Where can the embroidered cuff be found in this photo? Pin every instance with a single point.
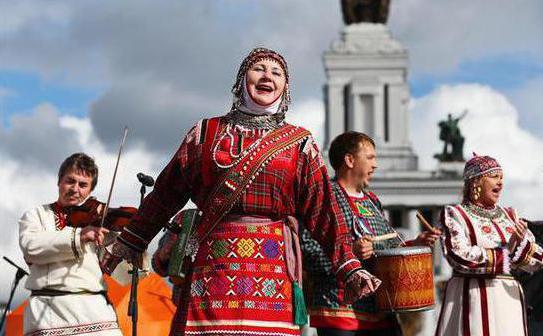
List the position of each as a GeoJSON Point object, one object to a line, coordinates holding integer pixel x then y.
{"type": "Point", "coordinates": [506, 261]}
{"type": "Point", "coordinates": [359, 284]}
{"type": "Point", "coordinates": [133, 240]}
{"type": "Point", "coordinates": [497, 261]}
{"type": "Point", "coordinates": [523, 253]}
{"type": "Point", "coordinates": [346, 268]}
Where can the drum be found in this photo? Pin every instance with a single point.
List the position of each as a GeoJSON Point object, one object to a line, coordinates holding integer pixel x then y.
{"type": "Point", "coordinates": [408, 279]}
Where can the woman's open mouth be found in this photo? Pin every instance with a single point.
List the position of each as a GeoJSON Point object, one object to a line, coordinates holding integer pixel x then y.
{"type": "Point", "coordinates": [263, 88]}
{"type": "Point", "coordinates": [496, 190]}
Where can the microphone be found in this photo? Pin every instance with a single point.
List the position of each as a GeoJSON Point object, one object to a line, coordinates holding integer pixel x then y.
{"type": "Point", "coordinates": [15, 265]}
{"type": "Point", "coordinates": [146, 180]}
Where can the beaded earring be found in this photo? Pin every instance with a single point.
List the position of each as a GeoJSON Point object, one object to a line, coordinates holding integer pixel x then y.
{"type": "Point", "coordinates": [476, 192]}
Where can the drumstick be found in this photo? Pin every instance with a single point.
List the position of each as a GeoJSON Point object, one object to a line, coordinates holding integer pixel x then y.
{"type": "Point", "coordinates": [385, 236]}
{"type": "Point", "coordinates": [424, 222]}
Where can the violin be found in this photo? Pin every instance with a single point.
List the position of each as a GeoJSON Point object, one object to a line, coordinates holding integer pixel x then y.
{"type": "Point", "coordinates": [90, 213]}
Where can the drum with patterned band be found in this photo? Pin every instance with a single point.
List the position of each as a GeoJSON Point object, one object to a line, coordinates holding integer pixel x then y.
{"type": "Point", "coordinates": [408, 279]}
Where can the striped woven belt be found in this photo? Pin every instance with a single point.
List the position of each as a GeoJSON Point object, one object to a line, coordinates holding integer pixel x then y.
{"type": "Point", "coordinates": [484, 276]}
{"type": "Point", "coordinates": [56, 292]}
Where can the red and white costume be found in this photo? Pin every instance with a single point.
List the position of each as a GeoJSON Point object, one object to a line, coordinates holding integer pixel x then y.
{"type": "Point", "coordinates": [60, 264]}
{"type": "Point", "coordinates": [482, 298]}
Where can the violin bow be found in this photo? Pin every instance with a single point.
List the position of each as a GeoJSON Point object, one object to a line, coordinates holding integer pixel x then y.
{"type": "Point", "coordinates": [104, 213]}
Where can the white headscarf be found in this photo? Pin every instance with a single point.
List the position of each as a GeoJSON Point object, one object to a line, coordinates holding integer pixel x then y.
{"type": "Point", "coordinates": [241, 98]}
{"type": "Point", "coordinates": [251, 107]}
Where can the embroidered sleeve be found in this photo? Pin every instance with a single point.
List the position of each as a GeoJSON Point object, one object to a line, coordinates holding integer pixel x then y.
{"type": "Point", "coordinates": [318, 209]}
{"type": "Point", "coordinates": [462, 254]}
{"type": "Point", "coordinates": [44, 247]}
{"type": "Point", "coordinates": [171, 192]}
{"type": "Point", "coordinates": [528, 255]}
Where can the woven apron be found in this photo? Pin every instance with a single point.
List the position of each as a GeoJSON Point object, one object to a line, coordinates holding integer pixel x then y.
{"type": "Point", "coordinates": [239, 283]}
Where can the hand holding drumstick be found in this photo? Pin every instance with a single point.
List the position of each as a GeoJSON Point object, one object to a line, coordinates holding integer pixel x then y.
{"type": "Point", "coordinates": [428, 237]}
{"type": "Point", "coordinates": [363, 247]}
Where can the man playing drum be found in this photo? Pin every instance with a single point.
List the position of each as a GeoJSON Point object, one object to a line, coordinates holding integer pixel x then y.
{"type": "Point", "coordinates": [353, 157]}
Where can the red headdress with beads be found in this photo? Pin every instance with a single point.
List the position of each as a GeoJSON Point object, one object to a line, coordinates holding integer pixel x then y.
{"type": "Point", "coordinates": [479, 166]}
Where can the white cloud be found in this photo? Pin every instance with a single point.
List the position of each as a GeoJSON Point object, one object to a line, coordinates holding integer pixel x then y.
{"type": "Point", "coordinates": [309, 114]}
{"type": "Point", "coordinates": [441, 35]}
{"type": "Point", "coordinates": [157, 112]}
{"type": "Point", "coordinates": [24, 13]}
{"type": "Point", "coordinates": [491, 127]}
{"type": "Point", "coordinates": [36, 138]}
{"type": "Point", "coordinates": [147, 52]}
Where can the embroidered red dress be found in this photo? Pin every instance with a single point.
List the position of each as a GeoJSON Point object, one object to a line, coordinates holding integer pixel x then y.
{"type": "Point", "coordinates": [239, 283]}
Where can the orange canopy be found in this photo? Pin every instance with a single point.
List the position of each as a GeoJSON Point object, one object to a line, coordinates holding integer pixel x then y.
{"type": "Point", "coordinates": [155, 308]}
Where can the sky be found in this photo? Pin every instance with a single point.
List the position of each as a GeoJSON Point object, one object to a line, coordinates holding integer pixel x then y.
{"type": "Point", "coordinates": [74, 73]}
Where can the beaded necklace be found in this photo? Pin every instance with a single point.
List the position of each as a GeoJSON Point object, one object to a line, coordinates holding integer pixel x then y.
{"type": "Point", "coordinates": [240, 122]}
{"type": "Point", "coordinates": [236, 157]}
{"type": "Point", "coordinates": [479, 211]}
{"type": "Point", "coordinates": [266, 121]}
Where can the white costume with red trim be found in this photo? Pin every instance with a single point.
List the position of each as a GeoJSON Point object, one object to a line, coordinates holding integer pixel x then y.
{"type": "Point", "coordinates": [482, 298]}
{"type": "Point", "coordinates": [59, 262]}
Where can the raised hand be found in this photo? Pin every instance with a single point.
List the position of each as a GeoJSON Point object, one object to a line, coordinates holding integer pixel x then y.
{"type": "Point", "coordinates": [428, 238]}
{"type": "Point", "coordinates": [93, 234]}
{"type": "Point", "coordinates": [519, 231]}
{"type": "Point", "coordinates": [363, 248]}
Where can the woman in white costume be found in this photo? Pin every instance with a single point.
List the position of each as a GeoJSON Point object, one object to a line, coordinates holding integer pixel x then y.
{"type": "Point", "coordinates": [484, 242]}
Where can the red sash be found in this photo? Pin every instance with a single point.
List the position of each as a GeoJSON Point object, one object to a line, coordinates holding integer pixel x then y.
{"type": "Point", "coordinates": [231, 185]}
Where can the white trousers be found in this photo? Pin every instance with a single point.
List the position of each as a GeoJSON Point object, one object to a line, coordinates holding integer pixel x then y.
{"type": "Point", "coordinates": [70, 315]}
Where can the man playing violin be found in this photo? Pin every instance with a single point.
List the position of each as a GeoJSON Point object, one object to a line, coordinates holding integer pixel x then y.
{"type": "Point", "coordinates": [67, 289]}
{"type": "Point", "coordinates": [354, 160]}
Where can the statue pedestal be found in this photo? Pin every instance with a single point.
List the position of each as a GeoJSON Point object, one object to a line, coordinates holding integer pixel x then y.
{"type": "Point", "coordinates": [367, 38]}
{"type": "Point", "coordinates": [451, 169]}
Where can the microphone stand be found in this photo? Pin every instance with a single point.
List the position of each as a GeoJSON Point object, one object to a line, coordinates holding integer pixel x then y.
{"type": "Point", "coordinates": [133, 302]}
{"type": "Point", "coordinates": [18, 276]}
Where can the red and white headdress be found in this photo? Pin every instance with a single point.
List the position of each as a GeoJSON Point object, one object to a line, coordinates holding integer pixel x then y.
{"type": "Point", "coordinates": [479, 166]}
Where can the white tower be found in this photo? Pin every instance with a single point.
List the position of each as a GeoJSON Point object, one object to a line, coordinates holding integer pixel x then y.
{"type": "Point", "coordinates": [367, 91]}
